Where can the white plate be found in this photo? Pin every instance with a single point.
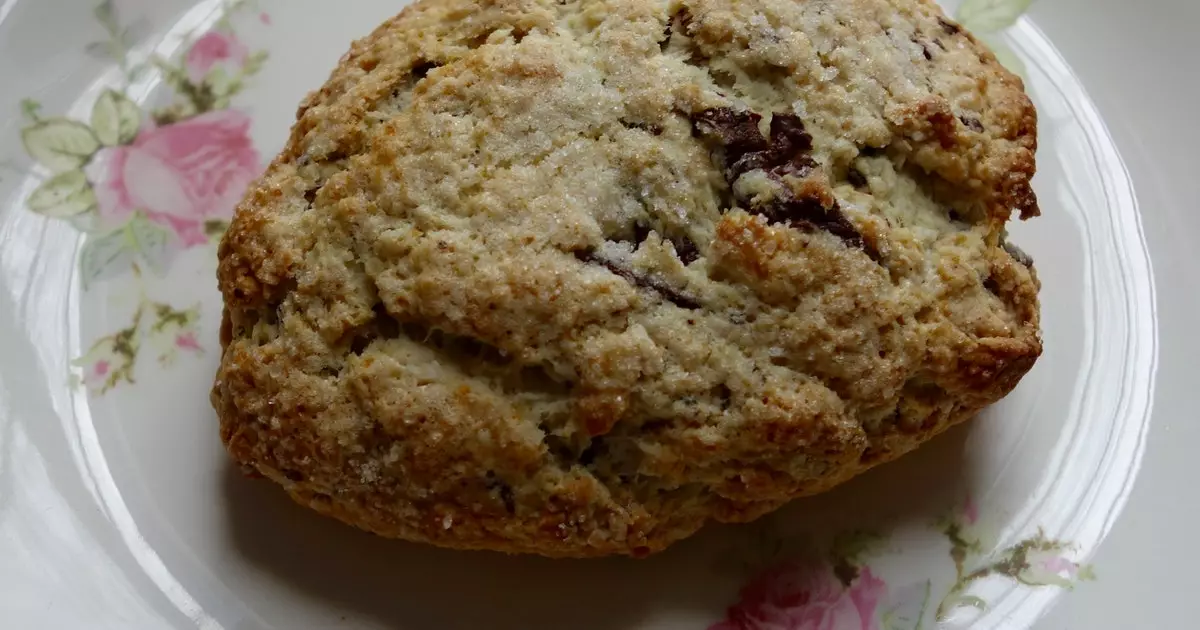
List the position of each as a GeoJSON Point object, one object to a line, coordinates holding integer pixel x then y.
{"type": "Point", "coordinates": [143, 120]}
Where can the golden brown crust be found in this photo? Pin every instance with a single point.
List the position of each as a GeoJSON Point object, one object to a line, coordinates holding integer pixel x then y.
{"type": "Point", "coordinates": [574, 278]}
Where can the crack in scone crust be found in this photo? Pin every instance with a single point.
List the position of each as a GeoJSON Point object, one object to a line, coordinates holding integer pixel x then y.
{"type": "Point", "coordinates": [573, 277]}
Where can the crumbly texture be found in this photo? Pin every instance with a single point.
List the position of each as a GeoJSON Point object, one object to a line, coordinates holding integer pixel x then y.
{"type": "Point", "coordinates": [573, 277]}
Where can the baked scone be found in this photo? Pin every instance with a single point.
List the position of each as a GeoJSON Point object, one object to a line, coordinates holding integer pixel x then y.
{"type": "Point", "coordinates": [574, 277]}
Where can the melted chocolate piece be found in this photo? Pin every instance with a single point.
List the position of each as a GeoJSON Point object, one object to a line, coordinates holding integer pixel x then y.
{"type": "Point", "coordinates": [785, 152]}
{"type": "Point", "coordinates": [972, 123]}
{"type": "Point", "coordinates": [422, 68]}
{"type": "Point", "coordinates": [737, 132]}
{"type": "Point", "coordinates": [788, 136]}
{"type": "Point", "coordinates": [653, 130]}
{"type": "Point", "coordinates": [640, 233]}
{"type": "Point", "coordinates": [809, 214]}
{"type": "Point", "coordinates": [685, 249]}
{"type": "Point", "coordinates": [992, 286]}
{"type": "Point", "coordinates": [649, 283]}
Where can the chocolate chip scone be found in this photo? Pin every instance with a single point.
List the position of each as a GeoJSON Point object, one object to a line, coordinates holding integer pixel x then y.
{"type": "Point", "coordinates": [574, 277]}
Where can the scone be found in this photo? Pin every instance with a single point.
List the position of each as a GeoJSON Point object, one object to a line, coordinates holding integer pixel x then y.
{"type": "Point", "coordinates": [574, 277]}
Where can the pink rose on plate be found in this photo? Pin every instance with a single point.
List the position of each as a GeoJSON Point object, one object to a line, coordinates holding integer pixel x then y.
{"type": "Point", "coordinates": [187, 341]}
{"type": "Point", "coordinates": [1048, 567]}
{"type": "Point", "coordinates": [109, 361]}
{"type": "Point", "coordinates": [95, 375]}
{"type": "Point", "coordinates": [215, 48]}
{"type": "Point", "coordinates": [178, 175]}
{"type": "Point", "coordinates": [796, 597]}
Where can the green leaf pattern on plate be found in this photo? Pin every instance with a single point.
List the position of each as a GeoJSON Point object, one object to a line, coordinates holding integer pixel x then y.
{"type": "Point", "coordinates": [115, 119]}
{"type": "Point", "coordinates": [89, 188]}
{"type": "Point", "coordinates": [104, 256]}
{"type": "Point", "coordinates": [60, 144]}
{"type": "Point", "coordinates": [111, 359]}
{"type": "Point", "coordinates": [137, 240]}
{"type": "Point", "coordinates": [149, 241]}
{"type": "Point", "coordinates": [64, 195]}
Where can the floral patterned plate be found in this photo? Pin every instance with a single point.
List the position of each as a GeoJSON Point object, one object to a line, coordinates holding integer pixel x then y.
{"type": "Point", "coordinates": [131, 127]}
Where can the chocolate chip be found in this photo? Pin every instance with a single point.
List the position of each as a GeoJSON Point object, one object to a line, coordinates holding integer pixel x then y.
{"type": "Point", "coordinates": [640, 232]}
{"type": "Point", "coordinates": [506, 495]}
{"type": "Point", "coordinates": [810, 214]}
{"type": "Point", "coordinates": [737, 132]}
{"type": "Point", "coordinates": [653, 130]}
{"type": "Point", "coordinates": [422, 68]}
{"type": "Point", "coordinates": [925, 51]}
{"type": "Point", "coordinates": [685, 249]}
{"type": "Point", "coordinates": [785, 152]}
{"type": "Point", "coordinates": [503, 491]}
{"type": "Point", "coordinates": [359, 344]}
{"type": "Point", "coordinates": [950, 27]}
{"type": "Point", "coordinates": [649, 283]}
{"type": "Point", "coordinates": [856, 178]}
{"type": "Point", "coordinates": [594, 448]}
{"type": "Point", "coordinates": [992, 286]}
{"type": "Point", "coordinates": [971, 123]}
{"type": "Point", "coordinates": [788, 137]}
